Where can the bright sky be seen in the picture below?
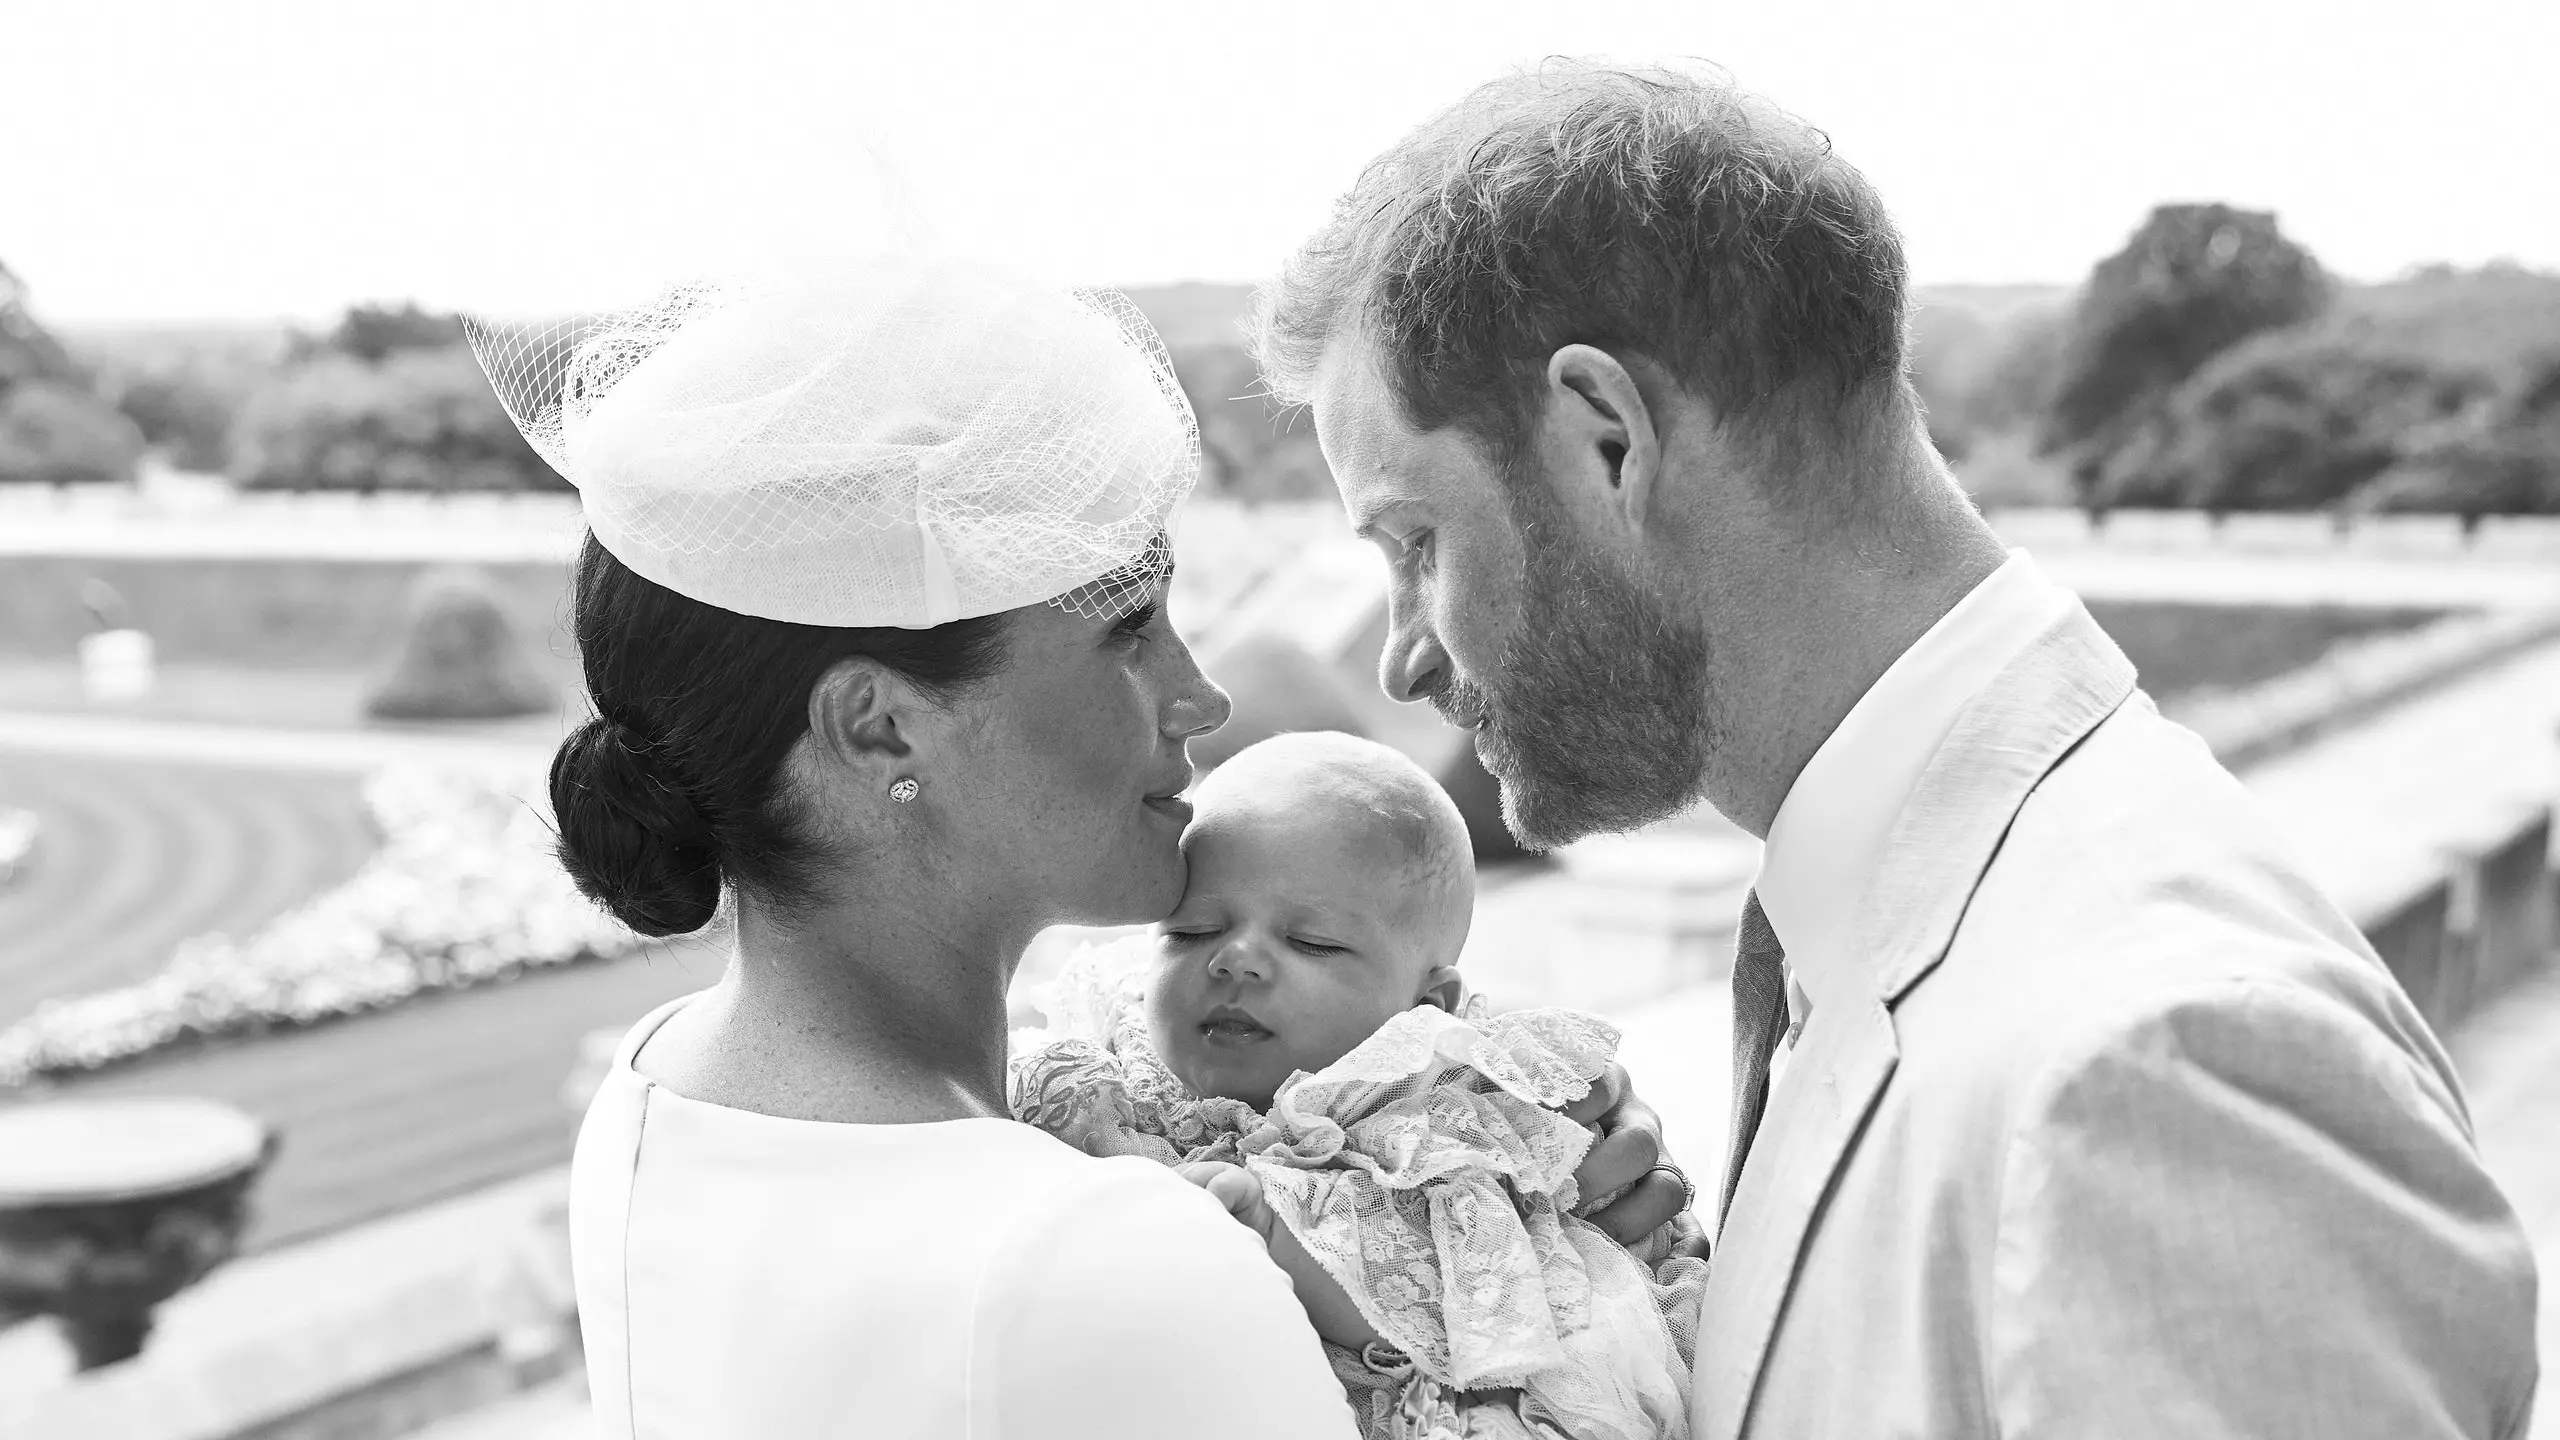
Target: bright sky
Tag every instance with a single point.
(183, 160)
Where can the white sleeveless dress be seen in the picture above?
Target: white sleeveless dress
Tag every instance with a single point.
(743, 1277)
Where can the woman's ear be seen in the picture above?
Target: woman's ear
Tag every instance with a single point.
(861, 716)
(1598, 416)
(1443, 987)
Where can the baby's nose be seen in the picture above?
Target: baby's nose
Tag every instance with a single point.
(1238, 960)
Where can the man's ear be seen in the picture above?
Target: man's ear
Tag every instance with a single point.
(1443, 987)
(1602, 430)
(861, 716)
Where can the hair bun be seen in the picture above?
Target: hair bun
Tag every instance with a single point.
(630, 835)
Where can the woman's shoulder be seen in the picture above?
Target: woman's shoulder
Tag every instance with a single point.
(1126, 1226)
(1132, 1304)
(1073, 1198)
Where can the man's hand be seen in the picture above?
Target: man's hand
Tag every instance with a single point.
(1329, 1308)
(1625, 1156)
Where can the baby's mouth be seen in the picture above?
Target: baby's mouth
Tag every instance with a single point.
(1228, 1025)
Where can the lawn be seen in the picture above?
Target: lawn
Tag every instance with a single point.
(135, 857)
(2181, 648)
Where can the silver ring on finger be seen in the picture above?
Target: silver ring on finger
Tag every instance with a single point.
(1688, 1187)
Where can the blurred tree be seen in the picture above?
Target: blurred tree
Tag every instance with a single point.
(2439, 392)
(52, 427)
(2293, 420)
(181, 411)
(60, 434)
(2470, 476)
(375, 332)
(184, 385)
(2193, 281)
(27, 350)
(2497, 459)
(421, 419)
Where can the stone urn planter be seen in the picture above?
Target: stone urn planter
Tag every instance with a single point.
(108, 1208)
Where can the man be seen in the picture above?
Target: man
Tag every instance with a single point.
(2065, 1105)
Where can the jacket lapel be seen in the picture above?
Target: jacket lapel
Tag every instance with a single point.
(2058, 690)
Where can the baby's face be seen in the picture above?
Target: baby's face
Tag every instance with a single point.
(1300, 932)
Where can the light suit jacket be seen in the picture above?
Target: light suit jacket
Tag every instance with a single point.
(2127, 1134)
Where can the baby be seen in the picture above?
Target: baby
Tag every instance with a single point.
(1298, 1023)
(1331, 886)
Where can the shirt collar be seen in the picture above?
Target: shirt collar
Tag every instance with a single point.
(1830, 832)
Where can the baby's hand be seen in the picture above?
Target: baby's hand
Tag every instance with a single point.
(1328, 1307)
(1236, 1188)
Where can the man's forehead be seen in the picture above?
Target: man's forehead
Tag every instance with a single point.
(1350, 391)
(1377, 458)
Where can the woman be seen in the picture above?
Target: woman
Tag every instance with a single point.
(872, 613)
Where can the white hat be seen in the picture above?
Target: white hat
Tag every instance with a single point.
(896, 442)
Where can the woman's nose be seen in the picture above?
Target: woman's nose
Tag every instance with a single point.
(1196, 705)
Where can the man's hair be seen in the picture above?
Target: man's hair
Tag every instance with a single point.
(1639, 210)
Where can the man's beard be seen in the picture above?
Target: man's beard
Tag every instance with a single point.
(1594, 718)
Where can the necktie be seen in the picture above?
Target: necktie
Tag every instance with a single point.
(1759, 1020)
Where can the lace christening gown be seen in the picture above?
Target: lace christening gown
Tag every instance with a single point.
(1429, 1172)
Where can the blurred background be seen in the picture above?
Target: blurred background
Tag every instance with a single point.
(2243, 317)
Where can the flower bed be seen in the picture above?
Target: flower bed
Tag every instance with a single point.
(464, 891)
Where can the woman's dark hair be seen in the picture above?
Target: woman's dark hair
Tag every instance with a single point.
(671, 790)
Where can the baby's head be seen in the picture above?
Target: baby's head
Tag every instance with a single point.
(1330, 887)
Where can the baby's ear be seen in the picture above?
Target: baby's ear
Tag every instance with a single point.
(1443, 987)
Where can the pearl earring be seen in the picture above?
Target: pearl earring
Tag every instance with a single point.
(903, 791)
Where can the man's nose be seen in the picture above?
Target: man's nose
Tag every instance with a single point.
(1413, 666)
(1239, 959)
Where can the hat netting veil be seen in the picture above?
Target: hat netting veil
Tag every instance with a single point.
(894, 443)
